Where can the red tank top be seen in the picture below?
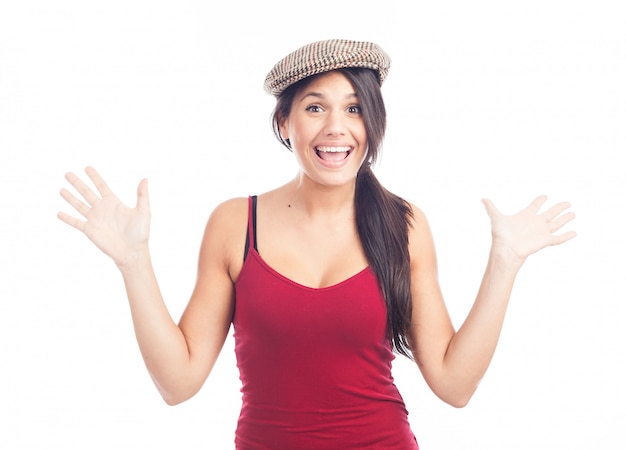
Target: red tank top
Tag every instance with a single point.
(315, 364)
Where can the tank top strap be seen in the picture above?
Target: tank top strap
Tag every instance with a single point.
(251, 235)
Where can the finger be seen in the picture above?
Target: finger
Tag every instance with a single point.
(491, 209)
(72, 221)
(562, 221)
(98, 181)
(554, 211)
(82, 188)
(143, 199)
(559, 239)
(76, 203)
(537, 203)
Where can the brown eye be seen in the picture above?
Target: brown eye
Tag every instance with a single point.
(314, 108)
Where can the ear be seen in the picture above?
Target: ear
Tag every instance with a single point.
(283, 128)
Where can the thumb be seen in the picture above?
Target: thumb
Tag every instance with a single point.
(491, 209)
(143, 200)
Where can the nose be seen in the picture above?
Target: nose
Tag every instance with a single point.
(335, 123)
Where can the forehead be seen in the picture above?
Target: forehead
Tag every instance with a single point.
(326, 81)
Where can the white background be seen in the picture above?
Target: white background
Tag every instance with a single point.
(505, 100)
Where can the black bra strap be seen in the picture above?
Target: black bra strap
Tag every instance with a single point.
(251, 234)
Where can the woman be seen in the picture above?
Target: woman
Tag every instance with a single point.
(322, 278)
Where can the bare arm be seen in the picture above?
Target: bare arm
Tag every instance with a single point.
(453, 363)
(178, 357)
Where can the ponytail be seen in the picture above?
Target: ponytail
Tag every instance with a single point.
(382, 220)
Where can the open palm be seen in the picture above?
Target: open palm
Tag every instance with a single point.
(529, 231)
(118, 230)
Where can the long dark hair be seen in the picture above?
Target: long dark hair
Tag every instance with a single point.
(382, 218)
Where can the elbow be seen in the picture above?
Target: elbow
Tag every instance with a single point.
(457, 398)
(175, 395)
(173, 398)
(173, 402)
(459, 402)
(456, 401)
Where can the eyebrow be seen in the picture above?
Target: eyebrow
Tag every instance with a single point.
(321, 96)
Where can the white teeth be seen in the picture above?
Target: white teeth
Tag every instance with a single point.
(332, 149)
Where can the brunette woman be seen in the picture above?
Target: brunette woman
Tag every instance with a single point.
(323, 278)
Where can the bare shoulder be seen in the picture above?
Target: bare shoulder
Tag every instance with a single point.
(421, 244)
(229, 213)
(419, 228)
(225, 235)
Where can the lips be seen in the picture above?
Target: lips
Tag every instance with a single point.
(333, 154)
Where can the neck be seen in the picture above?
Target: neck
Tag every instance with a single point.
(317, 200)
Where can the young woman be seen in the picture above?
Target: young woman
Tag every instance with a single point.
(323, 278)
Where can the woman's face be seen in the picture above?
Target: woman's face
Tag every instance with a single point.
(326, 130)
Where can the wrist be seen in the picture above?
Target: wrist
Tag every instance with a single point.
(134, 261)
(505, 257)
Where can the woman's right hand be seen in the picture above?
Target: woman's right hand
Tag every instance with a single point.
(119, 231)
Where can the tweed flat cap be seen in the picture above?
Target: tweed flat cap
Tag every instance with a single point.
(323, 56)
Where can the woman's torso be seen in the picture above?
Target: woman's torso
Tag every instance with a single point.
(314, 360)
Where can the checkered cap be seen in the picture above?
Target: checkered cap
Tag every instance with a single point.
(323, 56)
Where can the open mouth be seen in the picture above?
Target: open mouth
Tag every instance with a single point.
(333, 153)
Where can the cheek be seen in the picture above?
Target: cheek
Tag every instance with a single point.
(296, 132)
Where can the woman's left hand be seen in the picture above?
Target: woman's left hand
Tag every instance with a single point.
(528, 231)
